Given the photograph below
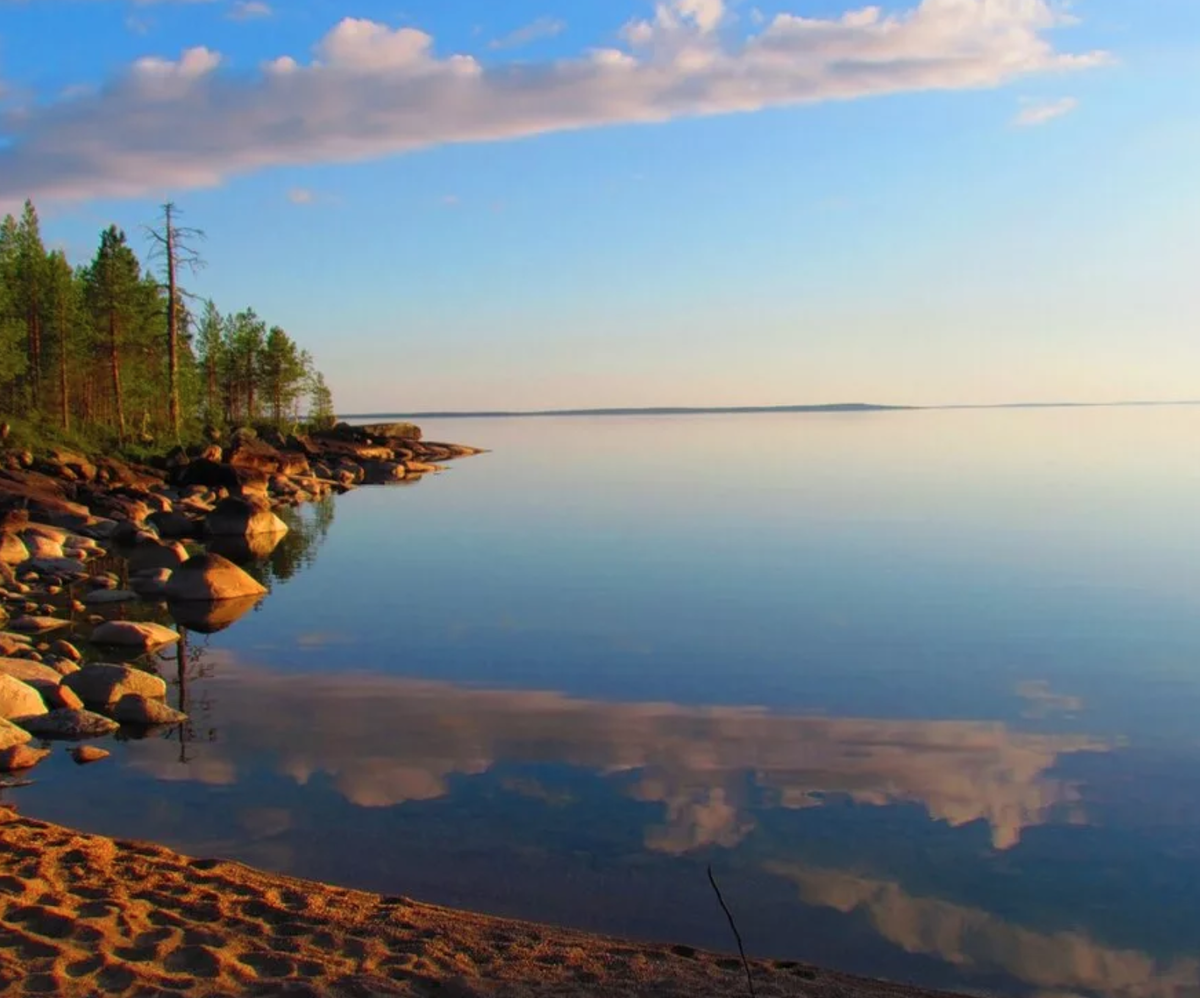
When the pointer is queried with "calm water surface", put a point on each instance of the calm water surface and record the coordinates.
(923, 687)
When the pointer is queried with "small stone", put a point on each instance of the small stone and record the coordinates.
(83, 754)
(66, 650)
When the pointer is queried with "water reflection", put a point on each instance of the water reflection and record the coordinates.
(976, 940)
(693, 761)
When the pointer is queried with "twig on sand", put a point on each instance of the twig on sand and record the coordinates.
(736, 935)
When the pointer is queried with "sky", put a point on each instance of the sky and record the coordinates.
(465, 204)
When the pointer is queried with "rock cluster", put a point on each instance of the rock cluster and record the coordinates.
(174, 521)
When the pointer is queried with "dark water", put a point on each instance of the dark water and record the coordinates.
(923, 687)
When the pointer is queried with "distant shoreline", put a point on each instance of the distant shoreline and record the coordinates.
(846, 407)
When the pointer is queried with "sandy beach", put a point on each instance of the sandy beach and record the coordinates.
(87, 915)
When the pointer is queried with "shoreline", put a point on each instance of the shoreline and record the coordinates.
(84, 914)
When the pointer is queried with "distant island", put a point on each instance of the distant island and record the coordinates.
(742, 409)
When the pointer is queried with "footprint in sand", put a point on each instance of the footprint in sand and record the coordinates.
(198, 961)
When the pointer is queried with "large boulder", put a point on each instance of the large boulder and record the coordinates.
(74, 462)
(12, 549)
(172, 524)
(246, 452)
(34, 673)
(12, 734)
(236, 481)
(133, 634)
(19, 700)
(149, 554)
(133, 708)
(40, 546)
(210, 577)
(234, 517)
(101, 684)
(72, 725)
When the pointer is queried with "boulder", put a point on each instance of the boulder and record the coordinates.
(59, 697)
(76, 462)
(234, 517)
(211, 475)
(37, 625)
(12, 549)
(18, 757)
(383, 472)
(245, 452)
(172, 524)
(133, 708)
(35, 674)
(66, 650)
(11, 644)
(151, 554)
(83, 754)
(40, 546)
(11, 734)
(210, 577)
(101, 684)
(19, 700)
(70, 724)
(151, 584)
(133, 634)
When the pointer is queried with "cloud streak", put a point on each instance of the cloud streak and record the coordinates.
(370, 91)
(1040, 112)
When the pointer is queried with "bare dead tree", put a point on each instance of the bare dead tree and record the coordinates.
(173, 245)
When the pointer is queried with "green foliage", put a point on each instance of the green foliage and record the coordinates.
(84, 355)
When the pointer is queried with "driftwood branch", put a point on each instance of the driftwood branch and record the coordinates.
(736, 935)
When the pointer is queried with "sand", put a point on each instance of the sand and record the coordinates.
(87, 915)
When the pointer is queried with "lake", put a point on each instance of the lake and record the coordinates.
(922, 687)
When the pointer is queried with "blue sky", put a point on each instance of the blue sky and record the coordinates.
(610, 202)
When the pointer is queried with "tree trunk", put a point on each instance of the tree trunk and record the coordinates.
(115, 367)
(34, 327)
(172, 330)
(64, 397)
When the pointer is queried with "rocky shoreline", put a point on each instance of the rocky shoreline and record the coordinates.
(70, 640)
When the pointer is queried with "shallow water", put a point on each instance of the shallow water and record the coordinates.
(923, 687)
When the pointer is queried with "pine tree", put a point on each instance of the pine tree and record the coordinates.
(113, 290)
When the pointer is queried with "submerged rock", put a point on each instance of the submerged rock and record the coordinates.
(101, 684)
(133, 708)
(100, 597)
(84, 754)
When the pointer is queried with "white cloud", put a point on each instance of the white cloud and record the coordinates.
(543, 27)
(372, 91)
(301, 195)
(1041, 111)
(248, 10)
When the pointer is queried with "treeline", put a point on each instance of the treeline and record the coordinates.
(117, 351)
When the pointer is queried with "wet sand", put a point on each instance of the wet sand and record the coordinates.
(87, 915)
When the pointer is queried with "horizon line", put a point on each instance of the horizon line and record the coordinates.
(835, 407)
